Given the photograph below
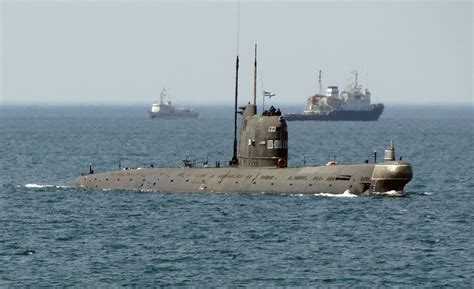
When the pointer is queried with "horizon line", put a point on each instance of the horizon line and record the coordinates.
(218, 104)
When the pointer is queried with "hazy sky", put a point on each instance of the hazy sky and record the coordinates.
(124, 52)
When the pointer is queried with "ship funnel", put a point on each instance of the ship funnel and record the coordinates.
(390, 153)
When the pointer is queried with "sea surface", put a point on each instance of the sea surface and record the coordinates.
(54, 235)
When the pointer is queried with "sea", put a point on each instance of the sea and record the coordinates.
(55, 235)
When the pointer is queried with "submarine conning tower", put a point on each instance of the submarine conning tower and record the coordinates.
(263, 139)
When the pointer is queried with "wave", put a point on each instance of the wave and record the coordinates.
(37, 186)
(346, 194)
(391, 193)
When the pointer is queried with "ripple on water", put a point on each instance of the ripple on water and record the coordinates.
(55, 235)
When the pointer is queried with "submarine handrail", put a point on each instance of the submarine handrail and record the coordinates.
(262, 158)
(223, 164)
(312, 160)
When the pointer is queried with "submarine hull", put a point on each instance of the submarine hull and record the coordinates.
(357, 179)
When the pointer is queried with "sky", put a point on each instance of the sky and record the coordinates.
(125, 52)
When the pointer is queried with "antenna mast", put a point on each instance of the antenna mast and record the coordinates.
(234, 160)
(255, 80)
(234, 157)
(263, 95)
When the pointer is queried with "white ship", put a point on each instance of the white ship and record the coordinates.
(165, 109)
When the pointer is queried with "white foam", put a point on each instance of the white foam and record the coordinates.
(427, 193)
(297, 195)
(391, 193)
(36, 186)
(346, 194)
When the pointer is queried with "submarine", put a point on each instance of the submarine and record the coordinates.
(259, 164)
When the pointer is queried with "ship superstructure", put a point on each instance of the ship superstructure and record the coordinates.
(164, 109)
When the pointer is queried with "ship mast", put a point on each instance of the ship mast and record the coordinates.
(356, 74)
(162, 96)
(354, 87)
(320, 85)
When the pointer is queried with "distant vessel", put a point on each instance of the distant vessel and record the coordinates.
(350, 104)
(165, 109)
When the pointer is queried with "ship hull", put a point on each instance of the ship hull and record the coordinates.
(342, 115)
(356, 179)
(173, 115)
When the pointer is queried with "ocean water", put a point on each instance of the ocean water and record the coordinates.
(55, 235)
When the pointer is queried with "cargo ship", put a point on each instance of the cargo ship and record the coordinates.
(165, 109)
(351, 104)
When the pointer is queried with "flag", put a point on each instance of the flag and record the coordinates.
(268, 94)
